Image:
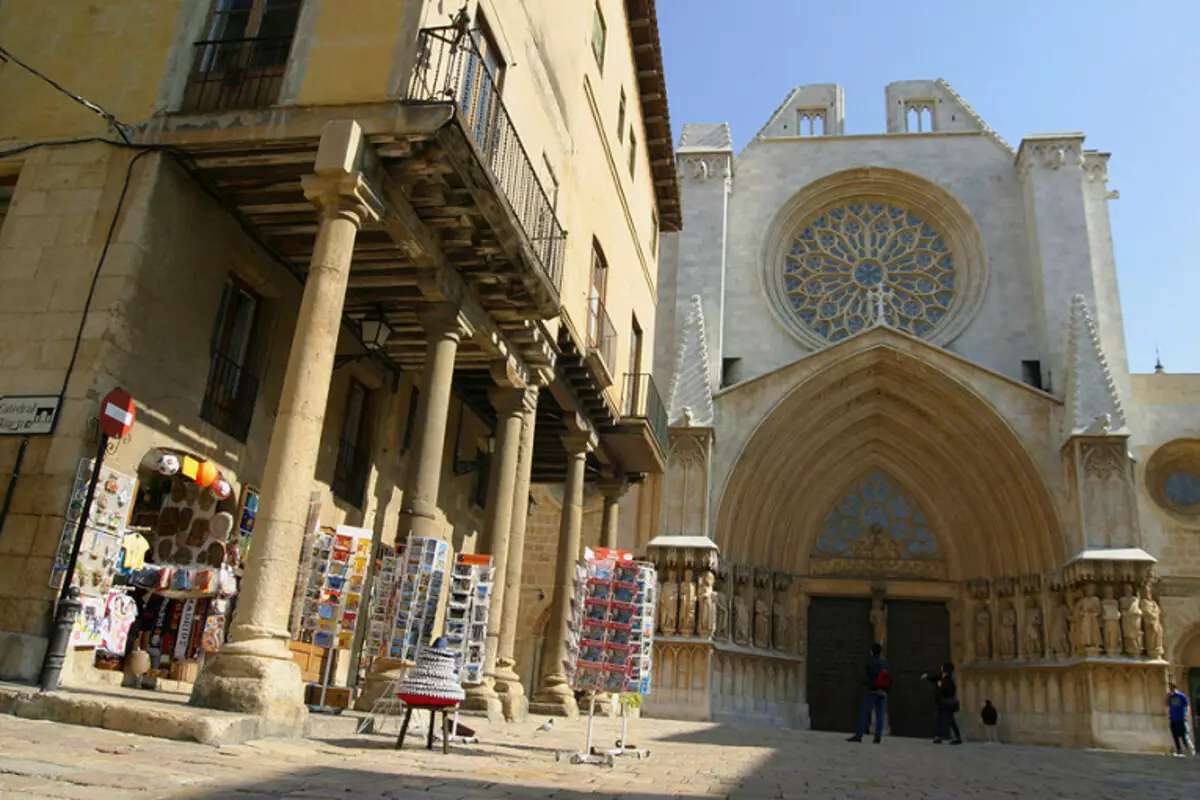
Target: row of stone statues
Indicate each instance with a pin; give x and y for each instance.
(694, 607)
(1130, 626)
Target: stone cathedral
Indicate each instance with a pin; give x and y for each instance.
(901, 412)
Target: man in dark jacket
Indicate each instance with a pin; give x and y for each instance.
(945, 699)
(878, 681)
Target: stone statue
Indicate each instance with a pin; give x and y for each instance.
(741, 621)
(1033, 633)
(762, 624)
(706, 612)
(879, 622)
(1008, 632)
(983, 633)
(721, 602)
(781, 621)
(1089, 609)
(1060, 630)
(1152, 625)
(1111, 613)
(1131, 622)
(668, 605)
(687, 605)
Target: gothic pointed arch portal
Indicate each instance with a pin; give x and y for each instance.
(877, 529)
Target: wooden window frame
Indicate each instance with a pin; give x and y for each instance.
(600, 44)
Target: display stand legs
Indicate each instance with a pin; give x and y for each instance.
(587, 755)
(624, 748)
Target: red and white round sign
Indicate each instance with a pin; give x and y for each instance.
(117, 413)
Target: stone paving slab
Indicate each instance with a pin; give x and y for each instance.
(41, 759)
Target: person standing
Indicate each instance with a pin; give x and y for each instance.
(877, 682)
(990, 718)
(945, 698)
(1177, 712)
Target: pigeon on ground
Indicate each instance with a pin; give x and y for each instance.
(548, 725)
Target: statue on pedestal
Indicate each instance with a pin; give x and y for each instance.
(1111, 614)
(762, 624)
(721, 602)
(782, 623)
(1088, 609)
(1008, 632)
(1152, 625)
(879, 621)
(983, 633)
(706, 612)
(687, 605)
(741, 621)
(1131, 622)
(1033, 633)
(668, 605)
(1060, 630)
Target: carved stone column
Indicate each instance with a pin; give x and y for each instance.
(509, 404)
(508, 683)
(255, 673)
(613, 491)
(555, 696)
(444, 329)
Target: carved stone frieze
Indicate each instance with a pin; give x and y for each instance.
(889, 568)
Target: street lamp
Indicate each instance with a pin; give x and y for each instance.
(375, 331)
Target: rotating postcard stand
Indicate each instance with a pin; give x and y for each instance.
(611, 639)
(466, 626)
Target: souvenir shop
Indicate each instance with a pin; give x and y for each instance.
(158, 567)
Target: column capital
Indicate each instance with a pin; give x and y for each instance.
(613, 488)
(507, 401)
(508, 372)
(343, 194)
(444, 320)
(580, 444)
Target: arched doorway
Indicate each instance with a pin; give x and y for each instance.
(883, 483)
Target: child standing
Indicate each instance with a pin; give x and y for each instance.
(990, 718)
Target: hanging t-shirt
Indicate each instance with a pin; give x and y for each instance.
(135, 546)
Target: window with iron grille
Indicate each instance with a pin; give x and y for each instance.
(242, 58)
(231, 388)
(632, 153)
(599, 35)
(621, 117)
(354, 447)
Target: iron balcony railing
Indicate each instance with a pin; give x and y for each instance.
(229, 397)
(237, 73)
(450, 68)
(641, 400)
(601, 333)
(350, 473)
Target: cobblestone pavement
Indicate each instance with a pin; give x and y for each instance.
(688, 760)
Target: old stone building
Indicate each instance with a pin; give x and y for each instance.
(901, 408)
(392, 269)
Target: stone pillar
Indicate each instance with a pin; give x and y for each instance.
(444, 329)
(613, 491)
(507, 681)
(555, 696)
(510, 406)
(255, 673)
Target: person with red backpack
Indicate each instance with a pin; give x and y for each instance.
(878, 683)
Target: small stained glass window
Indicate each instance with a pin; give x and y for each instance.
(876, 515)
(1183, 490)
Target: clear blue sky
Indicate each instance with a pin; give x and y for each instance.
(1126, 74)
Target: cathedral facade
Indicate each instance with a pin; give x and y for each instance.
(901, 412)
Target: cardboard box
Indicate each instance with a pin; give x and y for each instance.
(335, 696)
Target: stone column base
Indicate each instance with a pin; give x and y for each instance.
(482, 701)
(515, 706)
(555, 700)
(270, 688)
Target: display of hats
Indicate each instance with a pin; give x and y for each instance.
(206, 500)
(168, 521)
(184, 518)
(206, 473)
(178, 490)
(433, 678)
(221, 525)
(221, 489)
(168, 464)
(214, 555)
(198, 532)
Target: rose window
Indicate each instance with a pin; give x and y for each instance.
(862, 259)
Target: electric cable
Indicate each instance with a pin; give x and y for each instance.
(121, 129)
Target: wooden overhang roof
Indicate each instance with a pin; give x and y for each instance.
(656, 117)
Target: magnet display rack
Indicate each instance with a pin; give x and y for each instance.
(467, 613)
(418, 592)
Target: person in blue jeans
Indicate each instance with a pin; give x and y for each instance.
(878, 681)
(1177, 710)
(945, 702)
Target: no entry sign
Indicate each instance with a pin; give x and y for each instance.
(117, 413)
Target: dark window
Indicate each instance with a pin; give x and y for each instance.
(654, 236)
(621, 118)
(241, 60)
(635, 347)
(483, 77)
(354, 447)
(599, 34)
(410, 422)
(731, 371)
(483, 471)
(553, 181)
(1031, 373)
(632, 153)
(231, 389)
(601, 334)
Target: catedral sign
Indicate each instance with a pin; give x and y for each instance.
(28, 415)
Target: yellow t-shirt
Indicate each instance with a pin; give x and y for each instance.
(135, 550)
